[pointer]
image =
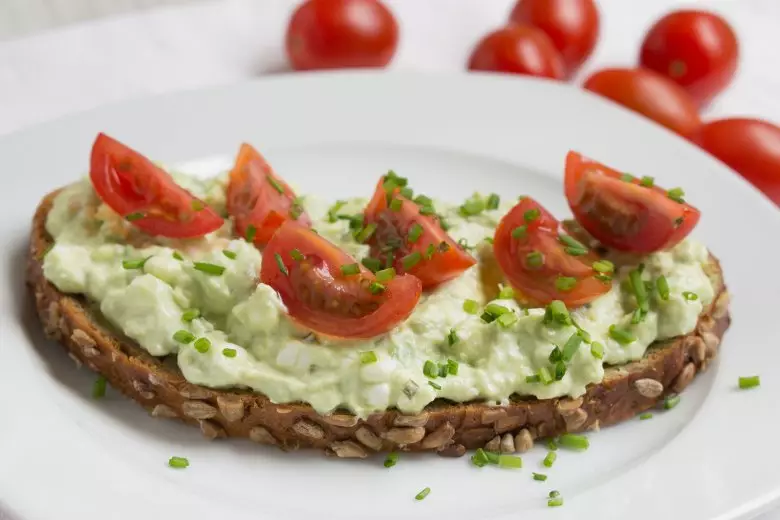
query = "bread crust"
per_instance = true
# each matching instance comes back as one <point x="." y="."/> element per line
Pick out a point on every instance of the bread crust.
<point x="444" y="427"/>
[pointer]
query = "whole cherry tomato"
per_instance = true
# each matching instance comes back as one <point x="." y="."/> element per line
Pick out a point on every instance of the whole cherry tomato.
<point x="518" y="49"/>
<point x="330" y="34"/>
<point x="696" y="49"/>
<point x="650" y="94"/>
<point x="749" y="146"/>
<point x="572" y="25"/>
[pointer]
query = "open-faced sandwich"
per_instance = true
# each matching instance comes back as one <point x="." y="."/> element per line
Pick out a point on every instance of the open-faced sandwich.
<point x="390" y="323"/>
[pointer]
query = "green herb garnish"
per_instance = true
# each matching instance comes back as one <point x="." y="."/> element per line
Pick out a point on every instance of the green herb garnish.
<point x="183" y="336"/>
<point x="178" y="462"/>
<point x="369" y="357"/>
<point x="202" y="345"/>
<point x="212" y="269"/>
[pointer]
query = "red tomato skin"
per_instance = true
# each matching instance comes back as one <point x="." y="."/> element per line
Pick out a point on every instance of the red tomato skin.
<point x="443" y="266"/>
<point x="649" y="94"/>
<point x="333" y="34"/>
<point x="400" y="297"/>
<point x="248" y="180"/>
<point x="518" y="49"/>
<point x="658" y="230"/>
<point x="572" y="25"/>
<point x="695" y="49"/>
<point x="537" y="286"/>
<point x="130" y="183"/>
<point x="751" y="147"/>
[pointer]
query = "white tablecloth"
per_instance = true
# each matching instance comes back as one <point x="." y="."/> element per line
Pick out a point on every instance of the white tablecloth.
<point x="184" y="47"/>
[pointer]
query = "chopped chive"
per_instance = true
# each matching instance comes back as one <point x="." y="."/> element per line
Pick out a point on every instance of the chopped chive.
<point x="571" y="242"/>
<point x="510" y="461"/>
<point x="492" y="457"/>
<point x="407" y="192"/>
<point x="540" y="477"/>
<point x="178" y="462"/>
<point x="411" y="260"/>
<point x="574" y="251"/>
<point x="430" y="369"/>
<point x="663" y="287"/>
<point x="637" y="316"/>
<point x="385" y="275"/>
<point x="647" y="181"/>
<point x="296" y="211"/>
<point x="376" y="288"/>
<point x="372" y="264"/>
<point x="212" y="269"/>
<point x="645" y="416"/>
<point x="135" y="264"/>
<point x="520" y="232"/>
<point x="190" y="314"/>
<point x="571" y="346"/>
<point x="603" y="278"/>
<point x="197" y="205"/>
<point x="251" y="232"/>
<point x="496" y="309"/>
<point x="202" y="345"/>
<point x="555" y="502"/>
<point x="134" y="216"/>
<point x="557" y="313"/>
<point x="296" y="255"/>
<point x="433" y="385"/>
<point x="452" y="337"/>
<point x="640" y="292"/>
<point x="574" y="441"/>
<point x="396" y="204"/>
<point x="671" y="401"/>
<point x="415" y="232"/>
<point x="565" y="283"/>
<point x="410" y="389"/>
<point x="389" y="259"/>
<point x="429" y="251"/>
<point x="273" y="182"/>
<point x="350" y="269"/>
<point x="549" y="460"/>
<point x="99" y="388"/>
<point x="183" y="336"/>
<point x="749" y="382"/>
<point x="369" y="357"/>
<point x="230" y="254"/>
<point x="487" y="317"/>
<point x="391" y="459"/>
<point x="452" y="367"/>
<point x="534" y="259"/>
<point x="229" y="352"/>
<point x="597" y="350"/>
<point x="603" y="266"/>
<point x="506" y="293"/>
<point x="551" y="445"/>
<point x="560" y="370"/>
<point x="508" y="319"/>
<point x="622" y="336"/>
<point x="690" y="296"/>
<point x="443" y="223"/>
<point x="493" y="201"/>
<point x="532" y="379"/>
<point x="422" y="200"/>
<point x="627" y="177"/>
<point x="177" y="256"/>
<point x="333" y="210"/>
<point x="471" y="306"/>
<point x="422" y="494"/>
<point x="280" y="264"/>
<point x="480" y="458"/>
<point x="555" y="355"/>
<point x="676" y="194"/>
<point x="464" y="244"/>
<point x="364" y="234"/>
<point x="531" y="215"/>
<point x="544" y="376"/>
<point x="554" y="493"/>
<point x="427" y="210"/>
<point x="473" y="206"/>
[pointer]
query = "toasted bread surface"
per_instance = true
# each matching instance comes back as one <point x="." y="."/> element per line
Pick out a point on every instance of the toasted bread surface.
<point x="445" y="427"/>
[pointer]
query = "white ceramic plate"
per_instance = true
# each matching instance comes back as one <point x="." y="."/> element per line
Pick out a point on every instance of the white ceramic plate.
<point x="63" y="455"/>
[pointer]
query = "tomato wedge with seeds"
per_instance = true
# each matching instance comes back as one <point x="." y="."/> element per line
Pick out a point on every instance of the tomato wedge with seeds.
<point x="145" y="194"/>
<point x="622" y="212"/>
<point x="258" y="200"/>
<point x="306" y="271"/>
<point x="411" y="241"/>
<point x="539" y="265"/>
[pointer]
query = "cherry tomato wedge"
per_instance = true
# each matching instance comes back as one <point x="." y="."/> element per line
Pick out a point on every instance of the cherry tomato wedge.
<point x="326" y="291"/>
<point x="258" y="200"/>
<point x="539" y="264"/>
<point x="624" y="212"/>
<point x="411" y="240"/>
<point x="145" y="194"/>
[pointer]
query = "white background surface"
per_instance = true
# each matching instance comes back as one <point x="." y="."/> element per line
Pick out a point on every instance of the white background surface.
<point x="50" y="74"/>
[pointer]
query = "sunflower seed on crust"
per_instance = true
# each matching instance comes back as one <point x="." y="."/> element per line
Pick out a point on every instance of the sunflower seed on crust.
<point x="368" y="438"/>
<point x="411" y="420"/>
<point x="404" y="436"/>
<point x="524" y="441"/>
<point x="348" y="450"/>
<point x="211" y="430"/>
<point x="143" y="389"/>
<point x="685" y="378"/>
<point x="308" y="429"/>
<point x="491" y="415"/>
<point x="453" y="450"/>
<point x="439" y="437"/>
<point x="508" y="423"/>
<point x="507" y="443"/>
<point x="341" y="420"/>
<point x="696" y="348"/>
<point x="163" y="410"/>
<point x="649" y="388"/>
<point x="195" y="392"/>
<point x="231" y="408"/>
<point x="493" y="444"/>
<point x="198" y="410"/>
<point x="711" y="342"/>
<point x="261" y="435"/>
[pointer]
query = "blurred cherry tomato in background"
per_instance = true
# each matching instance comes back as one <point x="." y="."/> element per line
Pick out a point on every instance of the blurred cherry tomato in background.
<point x="572" y="25"/>
<point x="519" y="49"/>
<point x="696" y="49"/>
<point x="329" y="34"/>
<point x="650" y="94"/>
<point x="749" y="146"/>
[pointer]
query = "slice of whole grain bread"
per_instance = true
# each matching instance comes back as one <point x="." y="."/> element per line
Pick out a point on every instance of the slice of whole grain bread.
<point x="446" y="427"/>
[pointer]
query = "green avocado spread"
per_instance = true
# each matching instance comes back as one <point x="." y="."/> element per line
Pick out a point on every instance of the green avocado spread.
<point x="228" y="330"/>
